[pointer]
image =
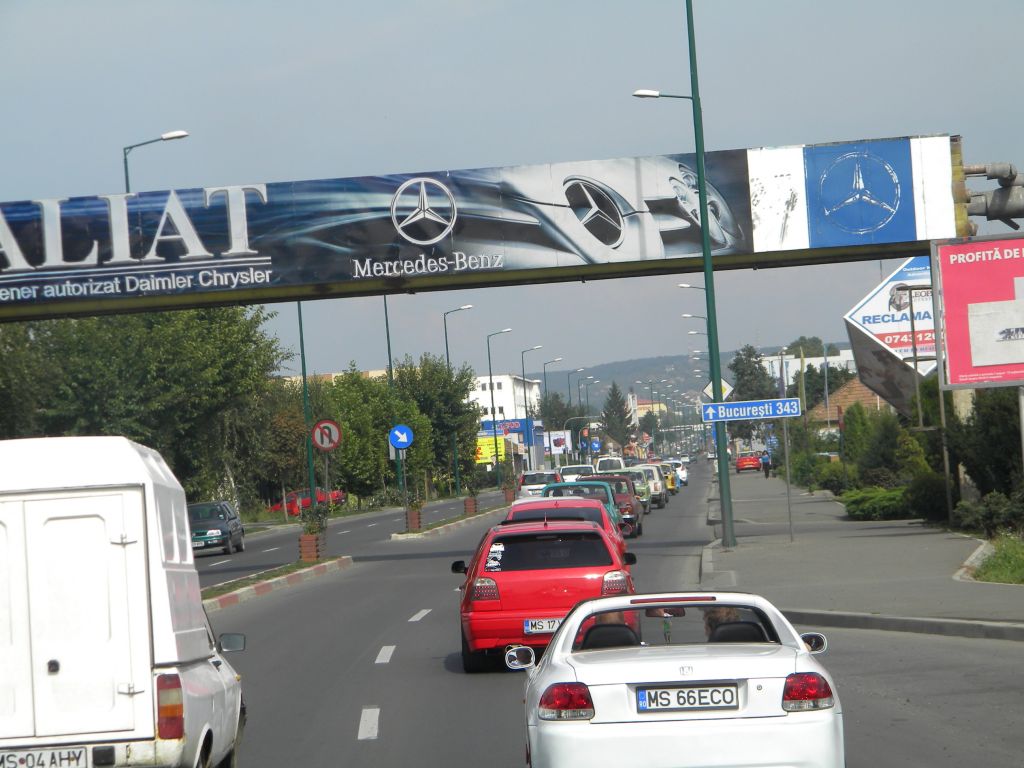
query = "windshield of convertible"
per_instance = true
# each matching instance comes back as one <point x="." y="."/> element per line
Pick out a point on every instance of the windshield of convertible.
<point x="585" y="491"/>
<point x="674" y="625"/>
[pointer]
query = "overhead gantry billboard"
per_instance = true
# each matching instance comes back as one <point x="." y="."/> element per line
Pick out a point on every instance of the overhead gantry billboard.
<point x="267" y="242"/>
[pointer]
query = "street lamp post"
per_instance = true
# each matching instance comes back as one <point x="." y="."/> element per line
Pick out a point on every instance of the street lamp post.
<point x="494" y="413"/>
<point x="448" y="362"/>
<point x="169" y="136"/>
<point x="568" y="380"/>
<point x="527" y="439"/>
<point x="728" y="535"/>
<point x="587" y="384"/>
<point x="547" y="432"/>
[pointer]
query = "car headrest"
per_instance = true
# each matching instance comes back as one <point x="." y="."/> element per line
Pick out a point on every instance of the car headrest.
<point x="738" y="632"/>
<point x="609" y="636"/>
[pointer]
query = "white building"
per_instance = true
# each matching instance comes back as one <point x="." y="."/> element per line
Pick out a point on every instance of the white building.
<point x="508" y="396"/>
<point x="791" y="367"/>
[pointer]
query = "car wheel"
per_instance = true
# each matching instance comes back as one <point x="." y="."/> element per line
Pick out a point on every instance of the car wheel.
<point x="241" y="542"/>
<point x="640" y="529"/>
<point x="472" y="662"/>
<point x="229" y="547"/>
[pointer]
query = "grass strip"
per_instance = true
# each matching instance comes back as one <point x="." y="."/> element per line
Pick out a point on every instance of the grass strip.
<point x="230" y="586"/>
<point x="1006" y="564"/>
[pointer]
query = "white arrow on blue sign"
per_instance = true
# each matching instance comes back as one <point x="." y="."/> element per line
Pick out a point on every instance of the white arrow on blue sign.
<point x="747" y="410"/>
<point x="400" y="437"/>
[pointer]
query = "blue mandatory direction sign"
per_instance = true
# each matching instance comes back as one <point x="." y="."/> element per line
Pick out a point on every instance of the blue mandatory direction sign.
<point x="595" y="445"/>
<point x="400" y="437"/>
<point x="747" y="410"/>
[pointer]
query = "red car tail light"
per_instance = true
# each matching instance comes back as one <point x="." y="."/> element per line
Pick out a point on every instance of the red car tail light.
<point x="615" y="583"/>
<point x="170" y="707"/>
<point x="566" y="701"/>
<point x="805" y="691"/>
<point x="484" y="589"/>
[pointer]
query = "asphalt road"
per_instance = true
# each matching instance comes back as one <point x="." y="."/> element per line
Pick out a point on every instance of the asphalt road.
<point x="362" y="667"/>
<point x="279" y="545"/>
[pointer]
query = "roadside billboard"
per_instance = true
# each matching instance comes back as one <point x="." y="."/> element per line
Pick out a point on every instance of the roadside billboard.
<point x="558" y="442"/>
<point x="882" y="333"/>
<point x="437" y="230"/>
<point x="981" y="300"/>
<point x="485" y="449"/>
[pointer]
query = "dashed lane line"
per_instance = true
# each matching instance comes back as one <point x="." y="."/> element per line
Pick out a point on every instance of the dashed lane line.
<point x="272" y="549"/>
<point x="420" y="614"/>
<point x="219" y="562"/>
<point x="369" y="724"/>
<point x="385" y="654"/>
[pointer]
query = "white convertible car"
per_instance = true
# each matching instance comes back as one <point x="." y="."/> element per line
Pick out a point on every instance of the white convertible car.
<point x="671" y="680"/>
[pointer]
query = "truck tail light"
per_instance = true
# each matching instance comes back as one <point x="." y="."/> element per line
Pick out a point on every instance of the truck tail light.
<point x="566" y="701"/>
<point x="615" y="583"/>
<point x="805" y="691"/>
<point x="170" y="707"/>
<point x="484" y="589"/>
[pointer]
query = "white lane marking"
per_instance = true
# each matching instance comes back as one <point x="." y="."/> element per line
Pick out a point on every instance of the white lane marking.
<point x="369" y="723"/>
<point x="347" y="530"/>
<point x="219" y="562"/>
<point x="420" y="614"/>
<point x="385" y="654"/>
<point x="371" y="525"/>
<point x="271" y="549"/>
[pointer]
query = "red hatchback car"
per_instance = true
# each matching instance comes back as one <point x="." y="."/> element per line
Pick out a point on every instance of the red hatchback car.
<point x="572" y="508"/>
<point x="294" y="500"/>
<point x="524" y="579"/>
<point x="748" y="460"/>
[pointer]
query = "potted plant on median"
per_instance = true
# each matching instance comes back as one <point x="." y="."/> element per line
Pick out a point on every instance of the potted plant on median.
<point x="313" y="537"/>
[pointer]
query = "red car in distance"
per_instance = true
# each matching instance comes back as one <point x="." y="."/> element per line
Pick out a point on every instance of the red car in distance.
<point x="296" y="501"/>
<point x="525" y="577"/>
<point x="748" y="460"/>
<point x="572" y="508"/>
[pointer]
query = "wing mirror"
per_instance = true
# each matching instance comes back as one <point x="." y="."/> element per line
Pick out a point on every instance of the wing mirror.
<point x="629" y="558"/>
<point x="815" y="642"/>
<point x="231" y="641"/>
<point x="459" y="566"/>
<point x="520" y="657"/>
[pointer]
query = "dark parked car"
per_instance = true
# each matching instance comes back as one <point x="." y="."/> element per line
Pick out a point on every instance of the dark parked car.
<point x="216" y="524"/>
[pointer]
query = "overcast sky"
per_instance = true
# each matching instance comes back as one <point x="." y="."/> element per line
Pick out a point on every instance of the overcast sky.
<point x="274" y="91"/>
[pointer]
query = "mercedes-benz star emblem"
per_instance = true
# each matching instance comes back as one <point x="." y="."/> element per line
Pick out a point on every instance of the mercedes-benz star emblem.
<point x="433" y="211"/>
<point x="595" y="210"/>
<point x="860" y="192"/>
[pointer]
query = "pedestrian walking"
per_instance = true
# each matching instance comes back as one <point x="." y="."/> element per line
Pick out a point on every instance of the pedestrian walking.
<point x="766" y="463"/>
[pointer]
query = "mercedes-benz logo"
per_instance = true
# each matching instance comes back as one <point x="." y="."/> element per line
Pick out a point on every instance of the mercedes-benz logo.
<point x="860" y="192"/>
<point x="433" y="211"/>
<point x="595" y="209"/>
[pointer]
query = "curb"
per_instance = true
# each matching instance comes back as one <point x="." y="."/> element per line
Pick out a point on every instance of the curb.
<point x="460" y="523"/>
<point x="214" y="604"/>
<point x="971" y="564"/>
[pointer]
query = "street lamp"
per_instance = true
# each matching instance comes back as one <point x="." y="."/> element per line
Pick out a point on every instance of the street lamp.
<point x="545" y="369"/>
<point x="568" y="379"/>
<point x="494" y="413"/>
<point x="448" y="362"/>
<point x="169" y="136"/>
<point x="587" y="384"/>
<point x="526" y="407"/>
<point x="699" y="333"/>
<point x="728" y="536"/>
<point x="695" y="287"/>
<point x="579" y="396"/>
<point x="447" y="358"/>
<point x="687" y="314"/>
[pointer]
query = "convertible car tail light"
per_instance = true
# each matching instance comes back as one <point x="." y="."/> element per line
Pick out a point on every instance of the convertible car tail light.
<point x="615" y="583"/>
<point x="805" y="691"/>
<point x="566" y="701"/>
<point x="170" y="709"/>
<point x="484" y="589"/>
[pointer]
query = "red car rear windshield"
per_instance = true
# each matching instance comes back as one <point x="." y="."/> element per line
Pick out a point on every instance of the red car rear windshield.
<point x="546" y="551"/>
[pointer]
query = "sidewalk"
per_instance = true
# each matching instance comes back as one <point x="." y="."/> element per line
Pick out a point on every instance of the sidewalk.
<point x="897" y="575"/>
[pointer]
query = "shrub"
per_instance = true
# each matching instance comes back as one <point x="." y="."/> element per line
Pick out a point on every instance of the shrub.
<point x="879" y="477"/>
<point x="926" y="496"/>
<point x="993" y="514"/>
<point x="877" y="504"/>
<point x="837" y="477"/>
<point x="1006" y="564"/>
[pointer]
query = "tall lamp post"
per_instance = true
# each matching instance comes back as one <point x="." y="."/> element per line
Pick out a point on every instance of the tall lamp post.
<point x="169" y="136"/>
<point x="528" y="439"/>
<point x="728" y="535"/>
<point x="494" y="413"/>
<point x="547" y="432"/>
<point x="568" y="379"/>
<point x="448" y="362"/>
<point x="587" y="384"/>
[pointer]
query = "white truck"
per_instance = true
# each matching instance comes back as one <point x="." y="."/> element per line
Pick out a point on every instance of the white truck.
<point x="106" y="654"/>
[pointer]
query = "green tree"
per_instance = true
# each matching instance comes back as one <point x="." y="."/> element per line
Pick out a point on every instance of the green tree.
<point x="751" y="382"/>
<point x="615" y="416"/>
<point x="987" y="443"/>
<point x="814" y="384"/>
<point x="856" y="433"/>
<point x="812" y="346"/>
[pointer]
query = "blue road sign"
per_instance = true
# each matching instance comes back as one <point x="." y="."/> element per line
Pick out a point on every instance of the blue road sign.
<point x="747" y="410"/>
<point x="772" y="441"/>
<point x="595" y="445"/>
<point x="400" y="437"/>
